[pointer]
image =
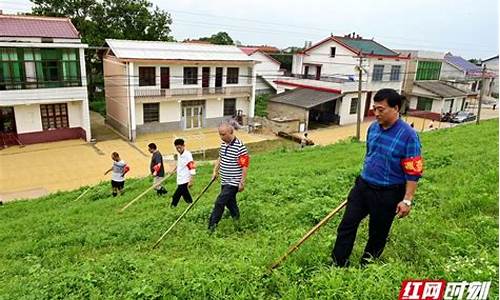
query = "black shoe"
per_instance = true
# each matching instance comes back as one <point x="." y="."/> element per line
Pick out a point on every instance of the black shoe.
<point x="114" y="194"/>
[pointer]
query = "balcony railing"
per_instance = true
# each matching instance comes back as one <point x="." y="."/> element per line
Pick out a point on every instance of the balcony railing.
<point x="156" y="92"/>
<point x="34" y="84"/>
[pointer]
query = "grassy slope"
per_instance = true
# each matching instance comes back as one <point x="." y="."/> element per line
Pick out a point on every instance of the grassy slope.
<point x="55" y="248"/>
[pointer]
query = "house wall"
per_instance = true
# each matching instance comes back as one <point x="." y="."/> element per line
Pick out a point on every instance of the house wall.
<point x="281" y="110"/>
<point x="386" y="82"/>
<point x="116" y="94"/>
<point x="492" y="65"/>
<point x="342" y="63"/>
<point x="344" y="108"/>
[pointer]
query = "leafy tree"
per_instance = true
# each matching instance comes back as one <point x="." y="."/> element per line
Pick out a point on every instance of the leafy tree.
<point x="97" y="20"/>
<point x="220" y="38"/>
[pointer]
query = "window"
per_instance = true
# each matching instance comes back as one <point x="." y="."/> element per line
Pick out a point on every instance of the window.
<point x="39" y="68"/>
<point x="151" y="112"/>
<point x="395" y="72"/>
<point x="428" y="70"/>
<point x="190" y="75"/>
<point x="147" y="76"/>
<point x="10" y="68"/>
<point x="54" y="116"/>
<point x="378" y="72"/>
<point x="332" y="51"/>
<point x="232" y="75"/>
<point x="424" y="104"/>
<point x="70" y="67"/>
<point x="229" y="107"/>
<point x="354" y="106"/>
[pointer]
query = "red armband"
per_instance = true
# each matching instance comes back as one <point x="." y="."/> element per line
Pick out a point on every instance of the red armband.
<point x="190" y="165"/>
<point x="126" y="169"/>
<point x="244" y="160"/>
<point x="156" y="168"/>
<point x="413" y="166"/>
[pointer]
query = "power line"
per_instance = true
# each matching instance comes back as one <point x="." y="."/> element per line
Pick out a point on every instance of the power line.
<point x="267" y="31"/>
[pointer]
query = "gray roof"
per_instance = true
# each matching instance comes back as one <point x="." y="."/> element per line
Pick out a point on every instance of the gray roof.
<point x="440" y="88"/>
<point x="305" y="98"/>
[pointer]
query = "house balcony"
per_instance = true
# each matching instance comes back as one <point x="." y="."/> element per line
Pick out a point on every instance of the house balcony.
<point x="156" y="93"/>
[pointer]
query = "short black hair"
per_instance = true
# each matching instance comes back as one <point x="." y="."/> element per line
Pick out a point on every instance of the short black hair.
<point x="179" y="142"/>
<point x="393" y="98"/>
<point x="152" y="146"/>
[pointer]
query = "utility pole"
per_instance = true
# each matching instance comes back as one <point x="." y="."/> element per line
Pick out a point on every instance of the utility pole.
<point x="360" y="74"/>
<point x="481" y="93"/>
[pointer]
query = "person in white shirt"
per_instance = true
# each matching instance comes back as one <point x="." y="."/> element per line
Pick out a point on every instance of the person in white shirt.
<point x="185" y="173"/>
<point x="119" y="168"/>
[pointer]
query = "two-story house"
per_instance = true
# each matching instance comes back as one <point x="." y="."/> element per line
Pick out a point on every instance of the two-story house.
<point x="492" y="66"/>
<point x="427" y="95"/>
<point x="153" y="86"/>
<point x="267" y="70"/>
<point x="43" y="93"/>
<point x="331" y="66"/>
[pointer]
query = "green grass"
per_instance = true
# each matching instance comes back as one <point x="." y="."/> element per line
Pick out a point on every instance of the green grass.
<point x="54" y="248"/>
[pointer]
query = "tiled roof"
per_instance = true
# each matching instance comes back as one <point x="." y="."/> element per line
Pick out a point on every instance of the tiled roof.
<point x="31" y="26"/>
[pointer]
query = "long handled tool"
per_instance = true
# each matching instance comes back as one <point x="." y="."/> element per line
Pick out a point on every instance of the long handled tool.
<point x="82" y="194"/>
<point x="184" y="213"/>
<point x="307" y="235"/>
<point x="144" y="193"/>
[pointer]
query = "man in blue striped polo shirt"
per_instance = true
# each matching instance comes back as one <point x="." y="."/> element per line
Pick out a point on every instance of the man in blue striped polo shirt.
<point x="231" y="166"/>
<point x="385" y="188"/>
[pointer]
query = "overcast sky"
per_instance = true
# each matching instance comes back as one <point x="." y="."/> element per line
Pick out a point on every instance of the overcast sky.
<point x="465" y="27"/>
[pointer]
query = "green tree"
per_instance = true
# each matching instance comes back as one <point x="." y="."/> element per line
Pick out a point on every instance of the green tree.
<point x="97" y="20"/>
<point x="120" y="19"/>
<point x="220" y="38"/>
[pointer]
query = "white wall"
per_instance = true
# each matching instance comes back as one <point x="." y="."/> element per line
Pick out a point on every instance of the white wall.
<point x="267" y="66"/>
<point x="170" y="111"/>
<point x="342" y="63"/>
<point x="449" y="72"/>
<point x="75" y="114"/>
<point x="345" y="116"/>
<point x="437" y="104"/>
<point x="386" y="82"/>
<point x="214" y="108"/>
<point x="243" y="104"/>
<point x="28" y="118"/>
<point x="40" y="96"/>
<point x="493" y="66"/>
<point x="139" y="114"/>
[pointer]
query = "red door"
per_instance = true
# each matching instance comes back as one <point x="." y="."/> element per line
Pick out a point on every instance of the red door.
<point x="8" y="132"/>
<point x="205" y="77"/>
<point x="318" y="72"/>
<point x="165" y="77"/>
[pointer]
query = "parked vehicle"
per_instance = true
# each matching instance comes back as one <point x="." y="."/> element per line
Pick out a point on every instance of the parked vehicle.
<point x="446" y="117"/>
<point x="463" y="116"/>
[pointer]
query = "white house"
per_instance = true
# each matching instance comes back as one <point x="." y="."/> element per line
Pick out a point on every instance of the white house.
<point x="465" y="75"/>
<point x="437" y="83"/>
<point x="43" y="93"/>
<point x="267" y="71"/>
<point x="331" y="65"/>
<point x="492" y="65"/>
<point x="159" y="86"/>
